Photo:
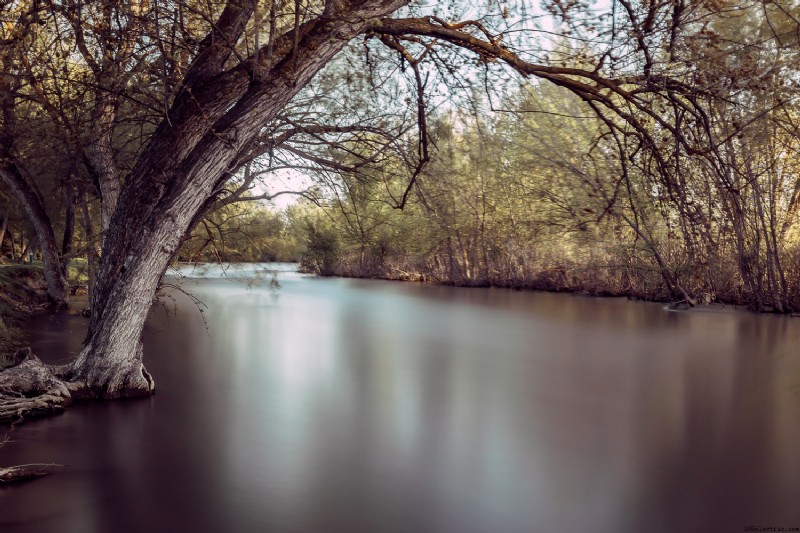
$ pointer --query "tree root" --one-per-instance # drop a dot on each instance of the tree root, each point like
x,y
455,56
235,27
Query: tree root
x,y
32,389
13,409
29,389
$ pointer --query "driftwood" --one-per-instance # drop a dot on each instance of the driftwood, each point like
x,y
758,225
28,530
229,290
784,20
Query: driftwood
x,y
14,474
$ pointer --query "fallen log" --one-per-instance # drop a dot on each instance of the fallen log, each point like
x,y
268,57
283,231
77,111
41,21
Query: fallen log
x,y
15,474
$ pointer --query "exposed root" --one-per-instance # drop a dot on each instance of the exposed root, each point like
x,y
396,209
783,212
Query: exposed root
x,y
29,390
32,389
28,376
16,409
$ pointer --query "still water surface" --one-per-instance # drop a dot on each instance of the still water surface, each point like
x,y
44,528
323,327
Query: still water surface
x,y
333,405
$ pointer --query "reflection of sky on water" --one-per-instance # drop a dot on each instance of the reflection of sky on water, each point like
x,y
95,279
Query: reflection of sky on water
x,y
233,271
347,405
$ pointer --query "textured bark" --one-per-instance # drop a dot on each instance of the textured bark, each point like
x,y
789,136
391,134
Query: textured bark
x,y
100,154
117,373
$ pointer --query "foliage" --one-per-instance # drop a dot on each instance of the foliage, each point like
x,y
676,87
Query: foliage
x,y
542,198
245,231
322,249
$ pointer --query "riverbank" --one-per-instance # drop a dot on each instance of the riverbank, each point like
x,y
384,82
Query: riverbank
x,y
595,282
22,291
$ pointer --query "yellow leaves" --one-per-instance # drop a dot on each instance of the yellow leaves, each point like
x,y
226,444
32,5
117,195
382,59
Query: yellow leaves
x,y
139,7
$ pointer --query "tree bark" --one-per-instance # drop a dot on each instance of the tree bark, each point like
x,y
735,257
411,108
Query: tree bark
x,y
100,154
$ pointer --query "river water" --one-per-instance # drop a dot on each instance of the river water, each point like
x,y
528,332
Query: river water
x,y
335,405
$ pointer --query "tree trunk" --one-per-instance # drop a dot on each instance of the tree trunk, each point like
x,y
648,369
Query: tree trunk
x,y
92,243
100,154
25,247
56,282
3,227
69,226
13,245
110,365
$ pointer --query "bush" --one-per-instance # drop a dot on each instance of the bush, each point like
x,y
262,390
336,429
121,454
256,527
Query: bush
x,y
322,251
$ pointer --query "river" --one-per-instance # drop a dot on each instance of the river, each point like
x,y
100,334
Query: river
x,y
338,405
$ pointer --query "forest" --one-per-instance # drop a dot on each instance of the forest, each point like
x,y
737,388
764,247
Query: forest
x,y
635,148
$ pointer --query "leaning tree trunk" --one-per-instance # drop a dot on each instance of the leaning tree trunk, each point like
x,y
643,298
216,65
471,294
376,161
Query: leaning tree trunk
x,y
175,177
56,282
110,365
213,120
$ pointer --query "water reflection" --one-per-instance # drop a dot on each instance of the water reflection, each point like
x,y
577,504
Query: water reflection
x,y
346,405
